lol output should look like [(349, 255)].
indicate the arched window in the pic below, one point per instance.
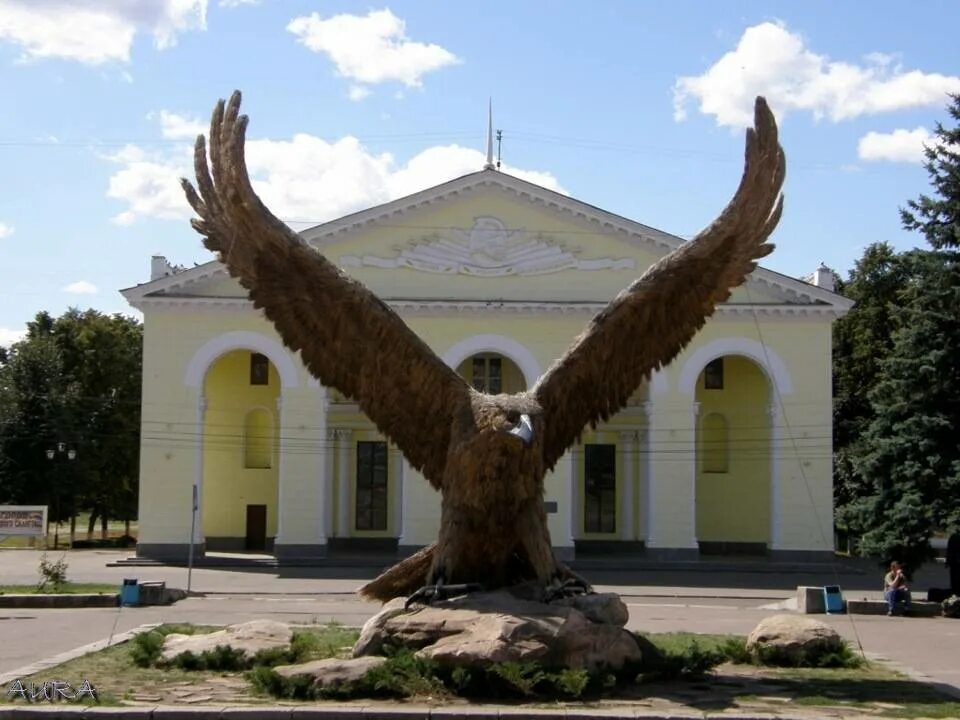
[(258, 439), (492, 373), (715, 443)]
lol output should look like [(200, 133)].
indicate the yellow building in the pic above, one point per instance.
[(726, 451)]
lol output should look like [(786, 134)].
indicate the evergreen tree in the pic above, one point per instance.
[(938, 218), (910, 456), (861, 340)]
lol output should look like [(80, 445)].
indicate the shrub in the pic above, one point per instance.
[(828, 657), (735, 650), (265, 680), (222, 658), (52, 573), (951, 607), (145, 648), (690, 662), (404, 674)]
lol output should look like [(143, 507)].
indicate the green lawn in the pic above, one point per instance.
[(873, 689)]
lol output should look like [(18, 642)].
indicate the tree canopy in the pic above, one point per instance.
[(73, 384), (897, 377)]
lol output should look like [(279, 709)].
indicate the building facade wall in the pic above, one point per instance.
[(785, 493)]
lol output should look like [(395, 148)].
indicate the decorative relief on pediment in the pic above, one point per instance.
[(488, 249)]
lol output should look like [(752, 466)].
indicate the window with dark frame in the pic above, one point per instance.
[(600, 488), (259, 369), (487, 374), (713, 375), (371, 499)]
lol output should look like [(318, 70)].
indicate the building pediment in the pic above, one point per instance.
[(487, 240)]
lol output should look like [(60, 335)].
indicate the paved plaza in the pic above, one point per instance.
[(694, 601)]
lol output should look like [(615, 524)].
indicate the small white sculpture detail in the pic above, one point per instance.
[(487, 249)]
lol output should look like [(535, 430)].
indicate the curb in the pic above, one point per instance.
[(368, 712), (60, 600)]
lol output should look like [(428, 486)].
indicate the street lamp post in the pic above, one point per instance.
[(59, 453)]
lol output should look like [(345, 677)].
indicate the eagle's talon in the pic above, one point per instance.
[(433, 594), (571, 587)]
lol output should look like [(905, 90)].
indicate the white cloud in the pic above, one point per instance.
[(770, 60), (149, 185), (8, 336), (898, 146), (6, 230), (81, 287), (358, 92), (371, 49), (304, 179), (95, 31), (439, 164), (177, 127)]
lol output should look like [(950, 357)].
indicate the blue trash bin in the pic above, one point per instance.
[(833, 599), (130, 592)]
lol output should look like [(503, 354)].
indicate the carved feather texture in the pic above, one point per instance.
[(347, 337), (493, 524), (650, 322)]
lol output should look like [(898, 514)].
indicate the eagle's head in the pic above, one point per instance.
[(508, 419), (495, 457)]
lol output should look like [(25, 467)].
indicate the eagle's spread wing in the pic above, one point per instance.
[(651, 321), (348, 338)]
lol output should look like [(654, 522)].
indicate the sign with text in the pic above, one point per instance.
[(30, 520)]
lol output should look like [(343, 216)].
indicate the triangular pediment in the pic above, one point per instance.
[(488, 237)]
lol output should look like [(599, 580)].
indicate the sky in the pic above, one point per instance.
[(635, 107)]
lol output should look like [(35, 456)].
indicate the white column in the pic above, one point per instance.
[(773, 413), (329, 441), (198, 468), (627, 449), (649, 497), (281, 467), (398, 464), (573, 491), (322, 524), (694, 451), (343, 438)]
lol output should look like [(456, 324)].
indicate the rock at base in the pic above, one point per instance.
[(249, 638), (599, 607), (792, 639), (484, 628), (332, 673)]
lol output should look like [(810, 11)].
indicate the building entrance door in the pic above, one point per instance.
[(256, 527)]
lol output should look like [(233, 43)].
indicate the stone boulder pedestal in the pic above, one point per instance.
[(477, 630)]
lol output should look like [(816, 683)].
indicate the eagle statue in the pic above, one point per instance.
[(486, 454)]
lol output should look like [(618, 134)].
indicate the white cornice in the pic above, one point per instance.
[(426, 307)]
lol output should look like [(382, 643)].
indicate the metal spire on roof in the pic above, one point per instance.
[(489, 165)]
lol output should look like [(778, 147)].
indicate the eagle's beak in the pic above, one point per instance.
[(524, 430)]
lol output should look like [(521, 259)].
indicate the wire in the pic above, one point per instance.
[(827, 542)]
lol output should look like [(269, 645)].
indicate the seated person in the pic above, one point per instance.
[(895, 588)]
